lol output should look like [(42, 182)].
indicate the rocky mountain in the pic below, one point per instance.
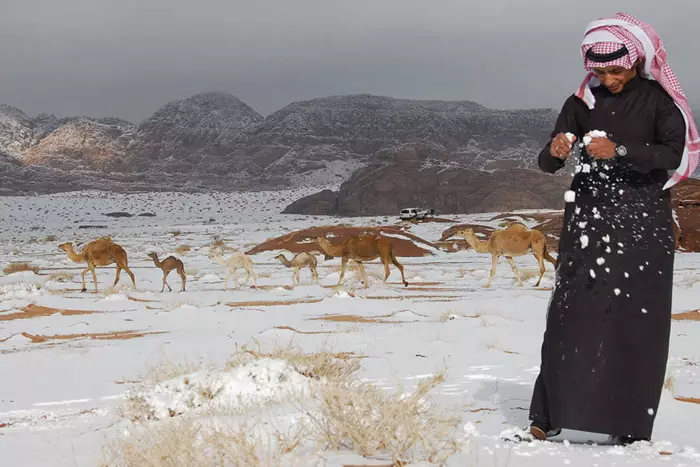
[(198, 134), (80, 145), (16, 131), (317, 134), (423, 176), (215, 141)]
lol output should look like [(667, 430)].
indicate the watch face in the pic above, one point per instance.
[(621, 151)]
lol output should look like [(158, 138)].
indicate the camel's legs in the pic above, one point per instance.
[(540, 261), (343, 265), (399, 267), (254, 276), (94, 275), (165, 282), (314, 273), (494, 261), (387, 273), (515, 269), (363, 273), (295, 276), (183, 277), (227, 279), (116, 277), (235, 278), (82, 275), (131, 274)]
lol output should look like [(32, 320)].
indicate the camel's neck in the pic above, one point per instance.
[(285, 262), (329, 248), (156, 261), (73, 256), (480, 246)]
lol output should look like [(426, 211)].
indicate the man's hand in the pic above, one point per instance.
[(561, 146), (601, 148)]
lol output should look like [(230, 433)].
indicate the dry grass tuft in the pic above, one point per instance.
[(341, 413), (186, 442), (61, 276), (19, 267), (324, 364), (366, 419), (183, 249), (50, 238)]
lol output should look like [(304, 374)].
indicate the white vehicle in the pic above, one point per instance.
[(415, 213)]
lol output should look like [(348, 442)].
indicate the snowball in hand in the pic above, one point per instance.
[(593, 134)]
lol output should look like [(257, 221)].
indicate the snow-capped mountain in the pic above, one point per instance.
[(215, 141)]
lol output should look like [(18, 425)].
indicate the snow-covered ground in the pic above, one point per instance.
[(65, 376)]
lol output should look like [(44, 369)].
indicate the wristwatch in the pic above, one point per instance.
[(620, 150)]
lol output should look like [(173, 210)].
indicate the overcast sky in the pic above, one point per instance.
[(126, 58)]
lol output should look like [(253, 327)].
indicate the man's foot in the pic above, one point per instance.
[(542, 433)]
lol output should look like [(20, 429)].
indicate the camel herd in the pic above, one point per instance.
[(515, 240)]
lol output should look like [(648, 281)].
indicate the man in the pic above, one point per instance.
[(606, 343)]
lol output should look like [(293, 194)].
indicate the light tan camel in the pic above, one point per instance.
[(167, 265), (360, 248), (237, 260), (298, 262), (100, 252), (516, 240)]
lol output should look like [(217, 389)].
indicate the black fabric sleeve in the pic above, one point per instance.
[(566, 123), (666, 151)]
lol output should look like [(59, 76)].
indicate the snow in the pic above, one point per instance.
[(584, 241), (61, 399), (254, 383), (570, 196)]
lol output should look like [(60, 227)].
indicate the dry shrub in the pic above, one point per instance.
[(186, 442), (61, 276), (341, 413), (50, 238), (369, 420), (182, 249), (324, 364), (19, 267), (176, 233), (165, 368)]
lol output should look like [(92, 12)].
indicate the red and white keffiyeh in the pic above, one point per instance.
[(608, 35)]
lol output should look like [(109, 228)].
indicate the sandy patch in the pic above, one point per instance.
[(687, 316), (289, 328), (404, 243), (116, 335), (35, 311), (692, 400), (274, 302)]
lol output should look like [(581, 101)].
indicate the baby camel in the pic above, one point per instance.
[(167, 265), (237, 260), (361, 248), (299, 261), (516, 240), (100, 252)]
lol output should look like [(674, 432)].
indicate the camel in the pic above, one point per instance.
[(237, 260), (167, 265), (516, 240), (360, 248), (299, 261), (100, 252)]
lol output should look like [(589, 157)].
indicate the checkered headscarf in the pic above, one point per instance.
[(610, 35)]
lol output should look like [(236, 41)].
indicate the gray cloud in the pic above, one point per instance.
[(127, 58)]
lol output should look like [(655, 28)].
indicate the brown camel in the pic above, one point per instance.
[(516, 240), (299, 261), (167, 265), (100, 252), (361, 248)]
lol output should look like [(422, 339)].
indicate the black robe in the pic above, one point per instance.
[(606, 343)]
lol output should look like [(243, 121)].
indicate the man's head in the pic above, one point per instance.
[(614, 77)]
